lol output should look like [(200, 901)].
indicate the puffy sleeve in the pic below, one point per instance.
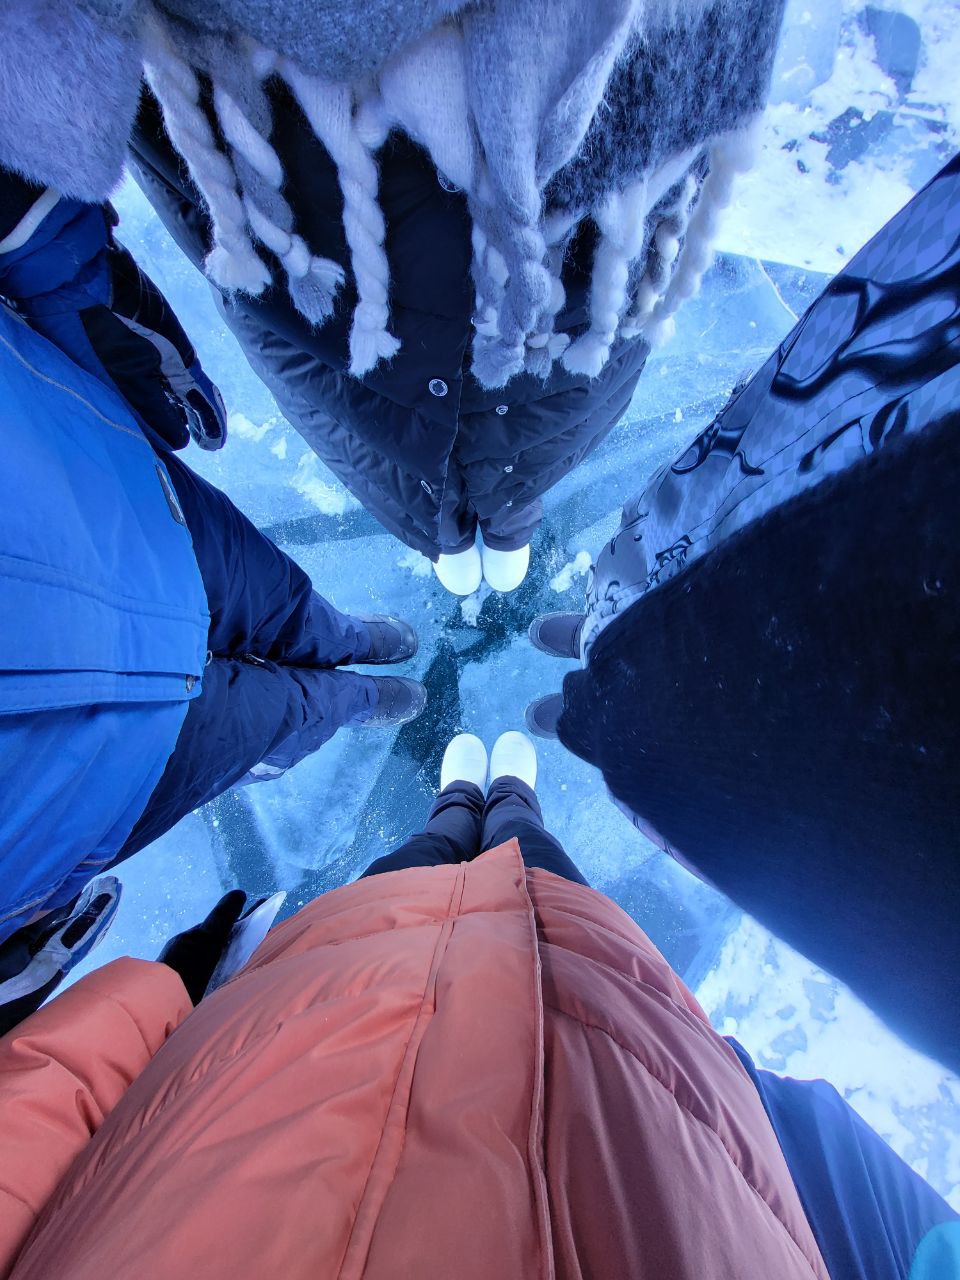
[(64, 1069)]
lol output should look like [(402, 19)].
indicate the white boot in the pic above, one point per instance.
[(460, 574), (505, 570), (465, 760), (514, 755)]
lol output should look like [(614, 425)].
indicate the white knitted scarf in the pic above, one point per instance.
[(504, 97)]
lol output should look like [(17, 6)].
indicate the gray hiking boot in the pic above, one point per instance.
[(557, 634), (391, 640), (400, 700), (541, 716)]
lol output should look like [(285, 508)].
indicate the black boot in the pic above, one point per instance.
[(399, 701), (557, 634), (542, 715), (391, 640)]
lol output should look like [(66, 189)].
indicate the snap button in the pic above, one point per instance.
[(508, 469), (501, 409), (425, 487), (438, 387), (446, 183)]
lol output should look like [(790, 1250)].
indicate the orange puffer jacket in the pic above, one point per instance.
[(459, 1073)]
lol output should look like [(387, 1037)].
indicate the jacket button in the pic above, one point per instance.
[(425, 487), (190, 681), (438, 387), (502, 409), (508, 469)]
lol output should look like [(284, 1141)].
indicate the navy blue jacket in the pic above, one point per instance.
[(426, 465), (104, 617)]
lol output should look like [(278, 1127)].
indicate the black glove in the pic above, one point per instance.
[(194, 954), (35, 959), (142, 346), (66, 275)]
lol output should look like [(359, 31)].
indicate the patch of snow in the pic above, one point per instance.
[(415, 563), (332, 499), (797, 1020), (471, 606), (279, 450), (578, 567), (937, 80), (795, 207), (240, 427)]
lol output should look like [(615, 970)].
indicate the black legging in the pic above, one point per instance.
[(463, 824)]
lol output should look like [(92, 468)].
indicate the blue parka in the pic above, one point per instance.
[(103, 616)]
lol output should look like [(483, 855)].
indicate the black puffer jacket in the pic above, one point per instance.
[(418, 441)]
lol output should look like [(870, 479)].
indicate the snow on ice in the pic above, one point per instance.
[(578, 567)]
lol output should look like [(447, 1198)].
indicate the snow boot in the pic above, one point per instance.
[(505, 570), (542, 715), (557, 634), (514, 756), (391, 640), (462, 573), (399, 701), (465, 760)]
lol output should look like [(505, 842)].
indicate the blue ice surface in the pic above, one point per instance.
[(367, 790)]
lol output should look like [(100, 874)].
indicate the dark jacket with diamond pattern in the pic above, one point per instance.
[(772, 682)]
